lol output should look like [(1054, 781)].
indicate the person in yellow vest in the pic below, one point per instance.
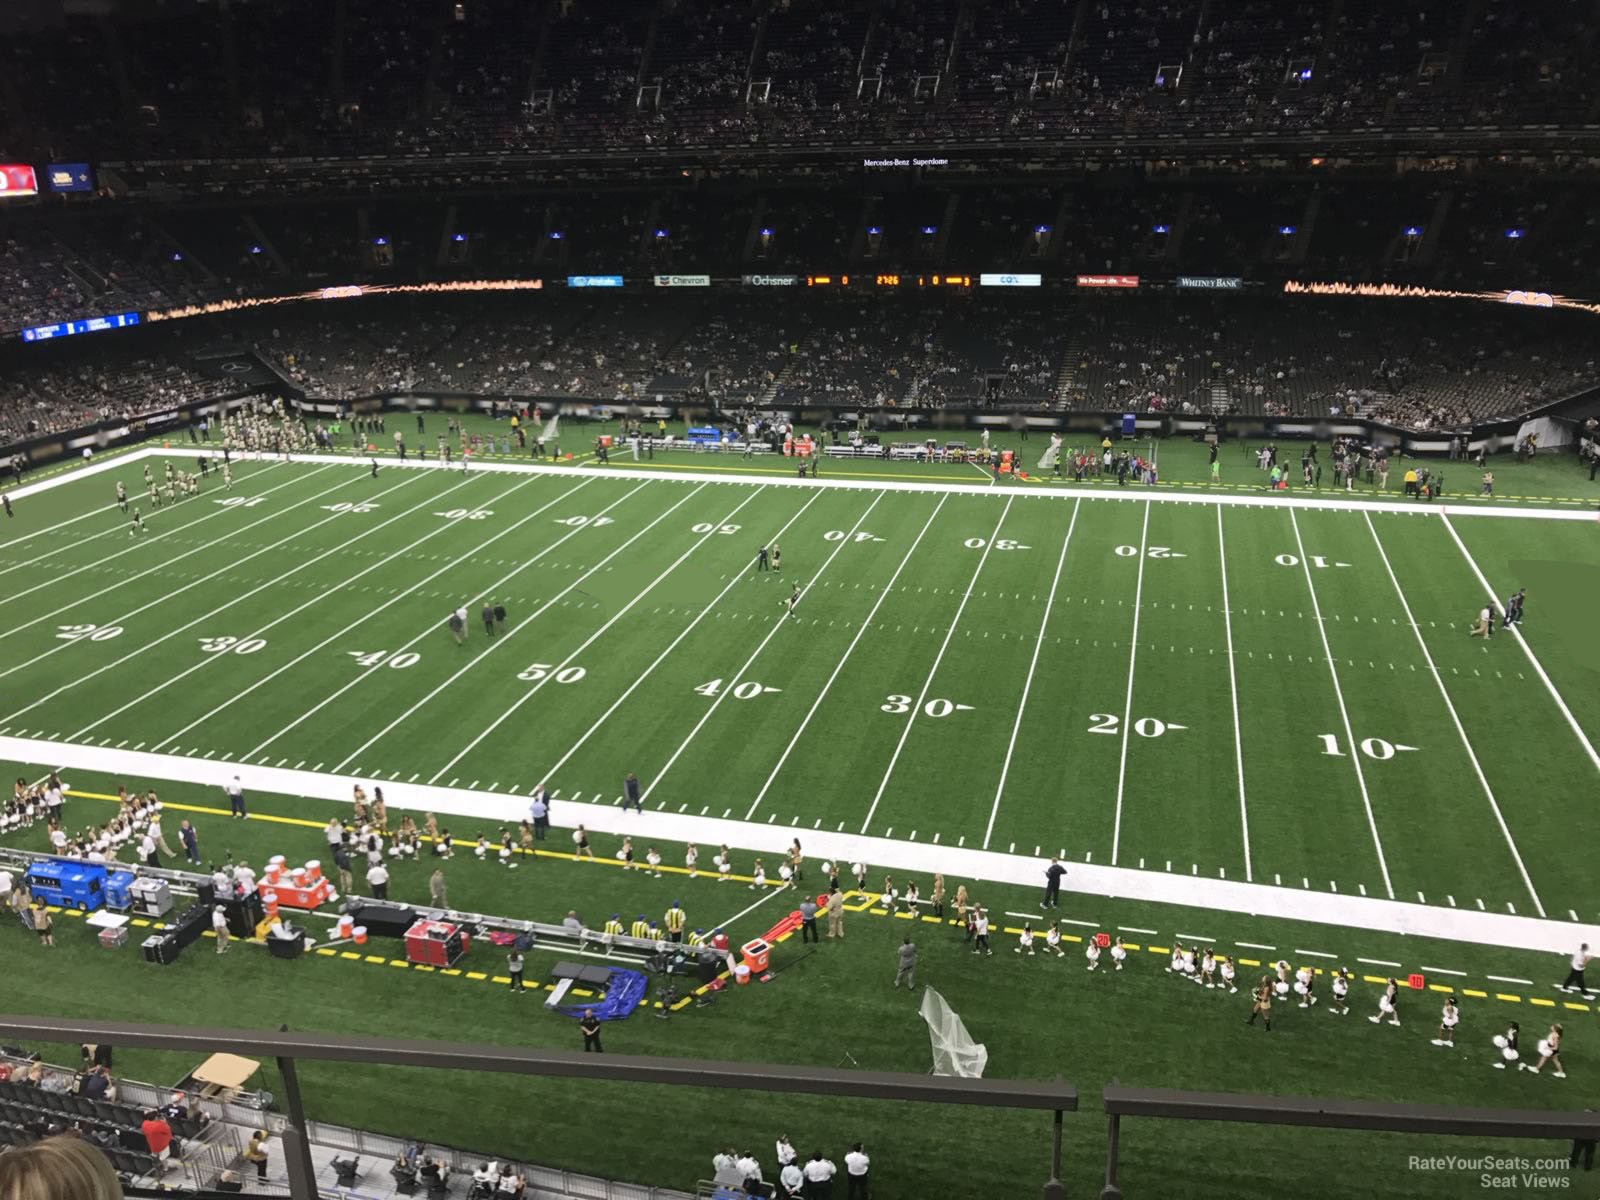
[(676, 919), (697, 938), (613, 930), (640, 928)]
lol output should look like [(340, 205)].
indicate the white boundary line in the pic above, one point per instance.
[(1233, 696), (1027, 683), (1344, 713), (733, 582), (1494, 607), (398, 596), (844, 658), (366, 672), (595, 636), (1455, 719), (349, 581), (1127, 707), (140, 543), (738, 675), (527, 620), (927, 683), (179, 591), (922, 858)]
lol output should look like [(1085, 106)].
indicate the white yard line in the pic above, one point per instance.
[(738, 675), (733, 582), (166, 599), (747, 910), (349, 581), (1233, 696), (1230, 897), (844, 658), (1127, 708), (432, 629), (1494, 607), (1455, 720), (638, 597), (55, 580), (396, 598), (922, 696), (1027, 683), (1344, 713), (525, 622)]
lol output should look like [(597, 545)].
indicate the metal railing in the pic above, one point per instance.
[(287, 1049)]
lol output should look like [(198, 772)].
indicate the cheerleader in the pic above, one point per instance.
[(380, 811), (1175, 967), (913, 897), (1339, 1006), (1187, 964), (1119, 954), (724, 862), (625, 855), (1305, 983), (1025, 941), (524, 835), (1052, 939), (652, 858), (758, 878), (890, 897), (1208, 969), (859, 870), (691, 858), (786, 874), (430, 827), (1092, 953), (481, 850), (1506, 1043), (796, 861), (358, 798), (962, 905), (374, 847), (1226, 970), (937, 897), (507, 854), (1549, 1052), (1387, 1004), (1281, 985), (1261, 1002), (1449, 1018)]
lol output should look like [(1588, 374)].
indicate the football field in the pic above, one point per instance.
[(1231, 688)]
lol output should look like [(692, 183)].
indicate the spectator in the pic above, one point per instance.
[(158, 1136), (256, 1153), (58, 1168)]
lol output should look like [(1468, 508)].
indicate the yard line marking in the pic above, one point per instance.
[(1127, 707), (733, 581), (1316, 954), (1494, 603), (592, 638), (1344, 713), (107, 532), (1194, 937), (162, 566), (1442, 971), (760, 646), (396, 598), (1136, 929), (1455, 719), (927, 683), (529, 619), (1508, 979), (191, 624), (1027, 684), (319, 596), (1255, 946), (844, 658), (1377, 962), (1233, 696), (432, 629)]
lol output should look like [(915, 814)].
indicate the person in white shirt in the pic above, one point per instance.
[(58, 840), (725, 1169), (856, 1164), (785, 1150), (819, 1173), (147, 851), (223, 882), (749, 1171), (245, 878), (790, 1180), (1574, 980), (155, 834), (219, 926), (5, 901), (378, 881)]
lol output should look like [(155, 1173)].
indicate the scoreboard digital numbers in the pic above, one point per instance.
[(891, 279)]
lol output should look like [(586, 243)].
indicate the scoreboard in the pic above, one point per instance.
[(891, 281), (18, 180)]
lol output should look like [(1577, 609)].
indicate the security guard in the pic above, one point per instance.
[(697, 938), (641, 928), (613, 930), (675, 923)]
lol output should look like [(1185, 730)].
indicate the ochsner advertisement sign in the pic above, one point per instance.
[(1215, 283), (683, 281), (772, 280)]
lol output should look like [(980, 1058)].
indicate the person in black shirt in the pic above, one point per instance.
[(488, 619), (590, 1025), (500, 617), (761, 559), (514, 964), (1052, 884)]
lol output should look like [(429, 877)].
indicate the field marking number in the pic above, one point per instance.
[(467, 514), (840, 535), (1316, 560), (933, 708), (240, 501), (1149, 727), (537, 671), (379, 658), (999, 544), (748, 690), (578, 522), (1372, 747), (708, 527), (350, 506), (94, 633), (1150, 552), (232, 645)]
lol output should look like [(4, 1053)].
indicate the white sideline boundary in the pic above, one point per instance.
[(1133, 493), (1227, 896)]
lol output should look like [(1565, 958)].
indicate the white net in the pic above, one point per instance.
[(954, 1051)]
